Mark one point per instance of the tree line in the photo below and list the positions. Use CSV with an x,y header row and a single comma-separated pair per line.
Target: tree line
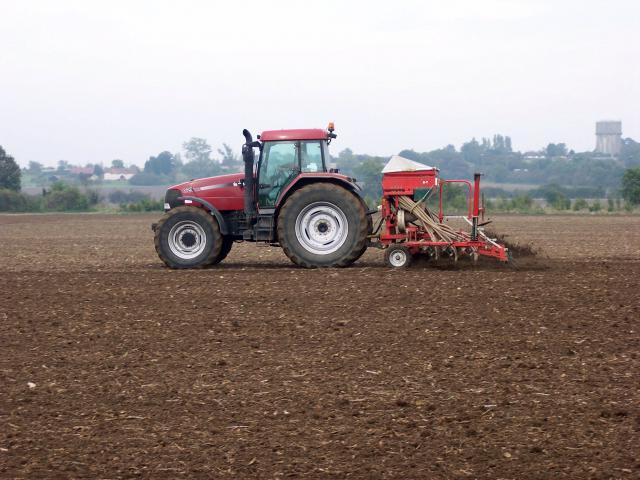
x,y
563,173
587,172
161,169
167,167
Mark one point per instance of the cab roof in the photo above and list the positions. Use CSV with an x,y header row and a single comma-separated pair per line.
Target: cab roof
x,y
295,134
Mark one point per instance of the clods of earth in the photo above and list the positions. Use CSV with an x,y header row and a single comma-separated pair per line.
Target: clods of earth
x,y
114,366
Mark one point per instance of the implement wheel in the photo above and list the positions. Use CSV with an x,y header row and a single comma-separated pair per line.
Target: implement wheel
x,y
398,256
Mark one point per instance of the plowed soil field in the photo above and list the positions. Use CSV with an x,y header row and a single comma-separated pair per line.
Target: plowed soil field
x,y
112,366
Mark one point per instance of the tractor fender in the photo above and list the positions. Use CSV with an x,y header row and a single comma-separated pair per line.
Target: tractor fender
x,y
212,210
340,180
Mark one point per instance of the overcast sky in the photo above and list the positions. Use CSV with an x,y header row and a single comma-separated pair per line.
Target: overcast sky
x,y
90,81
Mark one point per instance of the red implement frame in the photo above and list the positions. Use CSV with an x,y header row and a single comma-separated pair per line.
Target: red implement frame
x,y
416,238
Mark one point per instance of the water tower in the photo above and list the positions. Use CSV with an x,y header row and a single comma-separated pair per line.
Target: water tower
x,y
609,137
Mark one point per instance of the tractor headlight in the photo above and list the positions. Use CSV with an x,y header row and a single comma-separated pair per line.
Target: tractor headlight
x,y
171,198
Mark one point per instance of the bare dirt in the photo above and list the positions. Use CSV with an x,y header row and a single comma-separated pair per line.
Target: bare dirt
x,y
113,366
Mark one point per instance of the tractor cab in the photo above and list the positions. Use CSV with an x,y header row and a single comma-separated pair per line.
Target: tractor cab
x,y
284,155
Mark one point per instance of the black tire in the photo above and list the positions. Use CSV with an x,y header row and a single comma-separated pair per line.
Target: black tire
x,y
398,256
369,232
343,216
184,228
227,243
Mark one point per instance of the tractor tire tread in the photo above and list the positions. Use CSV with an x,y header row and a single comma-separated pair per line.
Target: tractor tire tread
x,y
227,243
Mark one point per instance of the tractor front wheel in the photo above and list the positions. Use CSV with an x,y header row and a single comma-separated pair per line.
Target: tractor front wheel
x,y
188,237
227,243
323,225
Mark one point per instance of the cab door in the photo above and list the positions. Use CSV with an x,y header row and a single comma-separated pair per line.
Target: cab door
x,y
279,165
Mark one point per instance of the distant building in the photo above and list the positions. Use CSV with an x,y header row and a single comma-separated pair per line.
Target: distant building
x,y
533,155
609,137
119,173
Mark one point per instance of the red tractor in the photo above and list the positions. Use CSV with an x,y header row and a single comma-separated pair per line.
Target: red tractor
x,y
291,198
316,215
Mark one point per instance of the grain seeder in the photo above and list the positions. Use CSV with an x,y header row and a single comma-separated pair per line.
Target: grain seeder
x,y
408,228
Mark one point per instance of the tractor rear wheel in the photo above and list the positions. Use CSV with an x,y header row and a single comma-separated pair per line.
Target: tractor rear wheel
x,y
188,237
366,245
323,225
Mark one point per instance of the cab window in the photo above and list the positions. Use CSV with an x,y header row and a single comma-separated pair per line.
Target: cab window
x,y
279,165
311,156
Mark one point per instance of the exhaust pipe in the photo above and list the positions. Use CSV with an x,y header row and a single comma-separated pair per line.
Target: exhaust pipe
x,y
476,206
249,182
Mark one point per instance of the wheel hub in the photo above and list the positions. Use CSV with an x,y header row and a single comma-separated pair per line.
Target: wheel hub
x,y
398,258
321,228
187,240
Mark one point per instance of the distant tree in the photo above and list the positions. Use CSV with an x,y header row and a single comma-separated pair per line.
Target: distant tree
x,y
346,161
9,172
163,164
63,166
64,197
454,198
147,178
450,162
83,178
229,158
117,163
472,151
562,149
197,149
630,153
120,196
631,185
556,150
200,169
12,201
98,171
369,173
500,173
199,163
35,168
580,204
410,154
498,144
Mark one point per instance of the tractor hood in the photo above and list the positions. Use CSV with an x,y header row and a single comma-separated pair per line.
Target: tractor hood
x,y
198,186
225,192
211,183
